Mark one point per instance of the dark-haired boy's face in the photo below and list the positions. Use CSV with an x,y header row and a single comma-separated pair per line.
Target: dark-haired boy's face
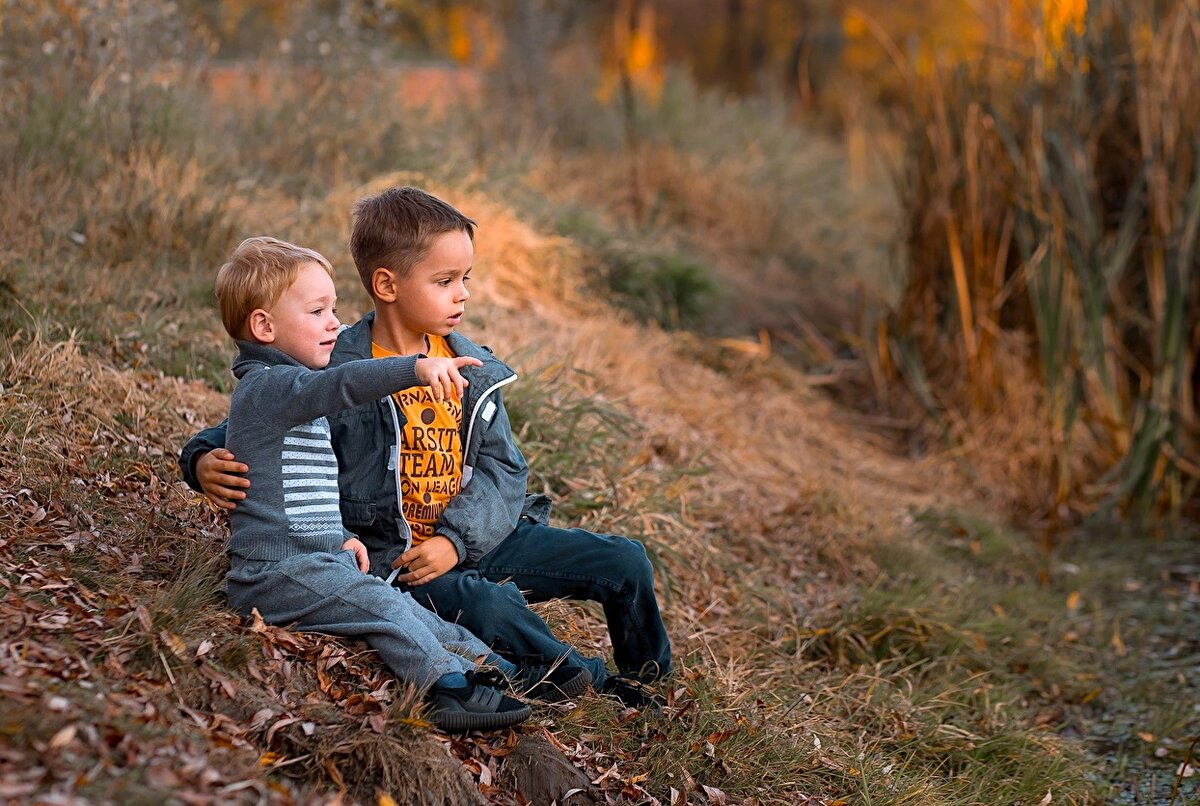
x,y
433,297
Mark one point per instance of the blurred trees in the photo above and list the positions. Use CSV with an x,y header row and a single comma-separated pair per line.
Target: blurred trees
x,y
799,48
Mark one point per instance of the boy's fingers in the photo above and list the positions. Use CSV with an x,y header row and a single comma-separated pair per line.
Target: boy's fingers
x,y
414,578
228,486
226,480
466,361
219,502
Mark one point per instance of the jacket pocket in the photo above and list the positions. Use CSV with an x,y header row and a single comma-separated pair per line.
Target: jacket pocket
x,y
537,508
357,513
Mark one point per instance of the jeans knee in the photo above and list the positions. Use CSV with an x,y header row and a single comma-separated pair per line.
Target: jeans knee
x,y
495,598
631,565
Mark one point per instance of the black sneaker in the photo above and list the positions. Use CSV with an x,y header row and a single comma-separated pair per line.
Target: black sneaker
x,y
632,693
474,707
552,683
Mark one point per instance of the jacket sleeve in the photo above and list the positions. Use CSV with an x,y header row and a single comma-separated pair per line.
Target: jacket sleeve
x,y
207,440
488,506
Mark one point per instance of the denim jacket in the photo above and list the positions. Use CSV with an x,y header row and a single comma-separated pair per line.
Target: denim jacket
x,y
493,497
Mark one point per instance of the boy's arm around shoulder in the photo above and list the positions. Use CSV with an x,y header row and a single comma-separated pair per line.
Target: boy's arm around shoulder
x,y
487,508
207,440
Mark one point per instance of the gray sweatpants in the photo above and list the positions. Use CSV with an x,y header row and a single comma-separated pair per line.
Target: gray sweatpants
x,y
327,593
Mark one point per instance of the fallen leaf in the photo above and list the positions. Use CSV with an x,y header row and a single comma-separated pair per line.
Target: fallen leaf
x,y
335,774
1073,601
1046,801
174,643
283,723
268,758
63,738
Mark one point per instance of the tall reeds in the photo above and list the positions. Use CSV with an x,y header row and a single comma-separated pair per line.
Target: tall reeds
x,y
1052,198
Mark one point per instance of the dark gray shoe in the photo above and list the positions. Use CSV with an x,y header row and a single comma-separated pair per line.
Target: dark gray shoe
x,y
632,693
548,683
474,707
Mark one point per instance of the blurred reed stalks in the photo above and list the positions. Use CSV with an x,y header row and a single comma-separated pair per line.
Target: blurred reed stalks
x,y
1051,190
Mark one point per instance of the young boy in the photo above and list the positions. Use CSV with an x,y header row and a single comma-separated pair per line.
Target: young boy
x,y
437,489
290,556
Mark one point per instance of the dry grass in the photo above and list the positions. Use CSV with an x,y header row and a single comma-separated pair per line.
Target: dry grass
x,y
767,511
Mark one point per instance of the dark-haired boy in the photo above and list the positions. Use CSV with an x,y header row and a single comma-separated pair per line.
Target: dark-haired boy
x,y
438,492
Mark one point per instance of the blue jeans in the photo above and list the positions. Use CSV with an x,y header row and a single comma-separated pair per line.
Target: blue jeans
x,y
550,563
325,592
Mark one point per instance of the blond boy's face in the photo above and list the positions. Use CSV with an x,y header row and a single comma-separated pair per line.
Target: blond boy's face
x,y
433,297
303,322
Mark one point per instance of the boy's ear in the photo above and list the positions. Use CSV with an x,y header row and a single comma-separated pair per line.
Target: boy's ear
x,y
383,285
261,326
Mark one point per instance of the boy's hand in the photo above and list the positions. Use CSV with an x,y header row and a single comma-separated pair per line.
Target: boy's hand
x,y
216,471
360,553
442,375
428,561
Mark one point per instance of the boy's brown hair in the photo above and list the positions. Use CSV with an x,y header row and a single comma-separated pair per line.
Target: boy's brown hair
x,y
258,272
395,229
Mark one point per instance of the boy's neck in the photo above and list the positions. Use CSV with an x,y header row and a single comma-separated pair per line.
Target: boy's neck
x,y
395,338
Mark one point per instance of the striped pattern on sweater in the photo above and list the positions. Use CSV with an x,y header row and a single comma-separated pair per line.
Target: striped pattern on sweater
x,y
309,473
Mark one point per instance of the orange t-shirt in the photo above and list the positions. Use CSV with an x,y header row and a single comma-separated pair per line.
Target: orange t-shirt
x,y
431,453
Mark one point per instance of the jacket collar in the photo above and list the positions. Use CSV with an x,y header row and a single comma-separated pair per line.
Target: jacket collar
x,y
252,354
354,342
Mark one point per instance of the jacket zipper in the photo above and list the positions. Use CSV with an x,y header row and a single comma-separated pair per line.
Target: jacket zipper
x,y
469,470
394,466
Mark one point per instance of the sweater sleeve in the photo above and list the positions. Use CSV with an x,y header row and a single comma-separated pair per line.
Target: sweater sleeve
x,y
290,395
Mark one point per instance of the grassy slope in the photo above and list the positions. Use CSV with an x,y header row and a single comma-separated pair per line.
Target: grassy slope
x,y
843,632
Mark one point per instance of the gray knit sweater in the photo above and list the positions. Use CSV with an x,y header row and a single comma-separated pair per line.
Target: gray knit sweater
x,y
277,426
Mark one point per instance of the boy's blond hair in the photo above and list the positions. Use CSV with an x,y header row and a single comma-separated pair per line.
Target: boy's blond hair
x,y
258,272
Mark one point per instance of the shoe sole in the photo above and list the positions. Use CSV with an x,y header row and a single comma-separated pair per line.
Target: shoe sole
x,y
461,722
